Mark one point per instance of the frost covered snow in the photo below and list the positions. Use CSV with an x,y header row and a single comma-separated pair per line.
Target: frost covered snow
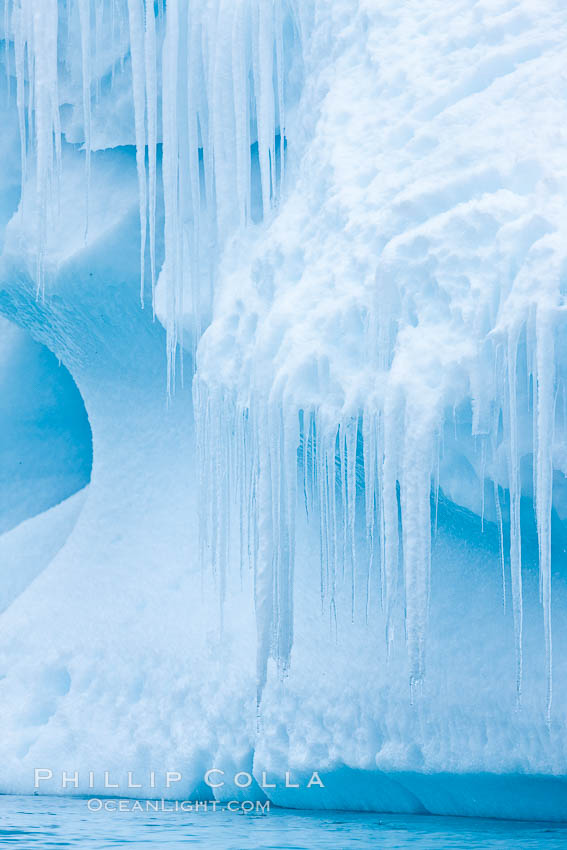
x,y
306,263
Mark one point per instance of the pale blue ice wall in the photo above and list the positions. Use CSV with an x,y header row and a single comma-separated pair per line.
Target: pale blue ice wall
x,y
380,399
46,453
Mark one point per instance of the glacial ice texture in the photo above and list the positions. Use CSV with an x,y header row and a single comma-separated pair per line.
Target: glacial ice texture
x,y
306,264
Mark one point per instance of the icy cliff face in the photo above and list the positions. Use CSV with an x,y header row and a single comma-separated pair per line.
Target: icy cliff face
x,y
350,220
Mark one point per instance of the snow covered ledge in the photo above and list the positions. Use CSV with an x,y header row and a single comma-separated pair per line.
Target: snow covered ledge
x,y
379,396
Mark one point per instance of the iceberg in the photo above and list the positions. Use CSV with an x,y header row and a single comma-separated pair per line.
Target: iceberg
x,y
305,264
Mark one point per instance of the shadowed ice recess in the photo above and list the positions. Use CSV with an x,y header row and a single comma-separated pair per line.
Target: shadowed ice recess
x,y
305,267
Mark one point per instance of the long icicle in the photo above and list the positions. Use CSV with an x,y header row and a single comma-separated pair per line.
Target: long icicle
x,y
515,498
543,460
85,25
150,54
136,22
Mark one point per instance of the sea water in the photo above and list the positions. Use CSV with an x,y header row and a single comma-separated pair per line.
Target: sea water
x,y
58,822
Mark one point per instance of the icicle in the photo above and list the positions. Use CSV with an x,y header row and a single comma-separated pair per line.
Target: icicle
x,y
240,75
35,50
20,49
171,182
264,576
543,462
136,17
322,459
278,12
196,100
265,104
98,12
515,497
7,45
150,54
389,512
415,494
351,436
290,438
332,513
369,443
482,483
501,541
85,24
437,486
369,456
344,501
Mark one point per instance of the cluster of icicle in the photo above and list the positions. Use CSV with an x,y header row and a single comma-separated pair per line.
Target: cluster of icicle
x,y
222,90
369,485
35,33
207,83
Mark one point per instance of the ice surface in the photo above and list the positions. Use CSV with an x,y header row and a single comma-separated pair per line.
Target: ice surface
x,y
46,451
351,220
29,547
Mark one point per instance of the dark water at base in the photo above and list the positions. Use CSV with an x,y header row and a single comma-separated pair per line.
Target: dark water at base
x,y
60,822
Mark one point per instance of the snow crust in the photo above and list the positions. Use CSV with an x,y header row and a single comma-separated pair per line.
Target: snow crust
x,y
337,552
